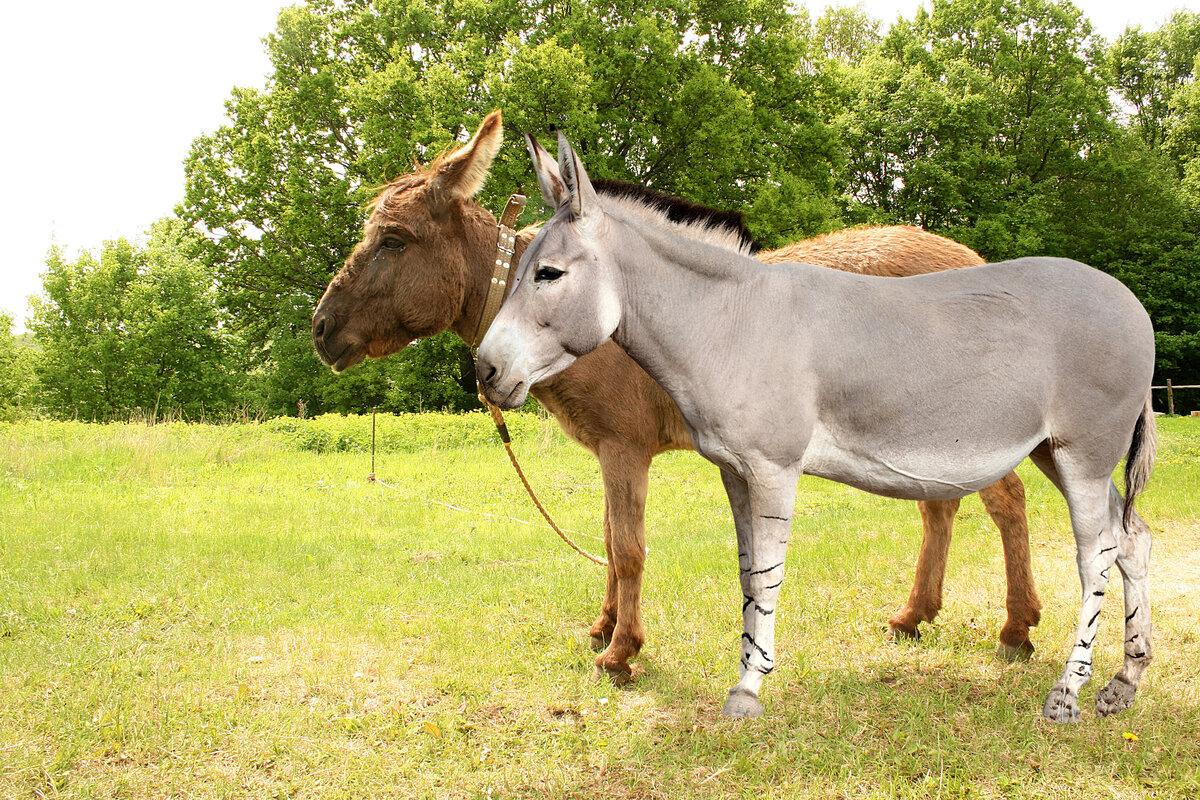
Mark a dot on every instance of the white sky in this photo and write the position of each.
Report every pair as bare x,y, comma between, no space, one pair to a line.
103,100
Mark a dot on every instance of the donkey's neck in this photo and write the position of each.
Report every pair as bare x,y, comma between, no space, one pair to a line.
681,294
478,243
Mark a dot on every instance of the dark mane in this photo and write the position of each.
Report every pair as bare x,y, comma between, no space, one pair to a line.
679,210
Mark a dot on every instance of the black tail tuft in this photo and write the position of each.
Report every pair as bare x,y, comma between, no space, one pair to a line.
1143,446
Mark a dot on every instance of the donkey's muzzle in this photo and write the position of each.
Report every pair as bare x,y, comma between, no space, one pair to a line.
498,386
323,325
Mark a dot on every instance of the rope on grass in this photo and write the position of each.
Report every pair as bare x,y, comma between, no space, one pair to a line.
371,478
498,419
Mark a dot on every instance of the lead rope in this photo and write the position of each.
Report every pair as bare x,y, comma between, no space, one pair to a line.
502,429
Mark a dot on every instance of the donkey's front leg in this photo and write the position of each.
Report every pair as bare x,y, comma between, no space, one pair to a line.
626,474
763,516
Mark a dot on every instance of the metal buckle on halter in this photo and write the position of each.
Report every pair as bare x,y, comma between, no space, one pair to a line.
508,235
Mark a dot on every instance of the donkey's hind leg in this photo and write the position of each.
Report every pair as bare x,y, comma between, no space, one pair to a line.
925,599
1133,559
1005,504
626,481
1096,527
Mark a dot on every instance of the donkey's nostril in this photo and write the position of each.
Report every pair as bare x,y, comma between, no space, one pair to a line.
485,372
319,327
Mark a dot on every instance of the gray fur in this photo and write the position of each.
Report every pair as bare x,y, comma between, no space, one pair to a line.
923,388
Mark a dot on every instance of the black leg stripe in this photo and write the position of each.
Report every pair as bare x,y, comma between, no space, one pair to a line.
754,644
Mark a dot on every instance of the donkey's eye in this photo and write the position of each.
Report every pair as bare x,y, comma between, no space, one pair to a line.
393,243
547,274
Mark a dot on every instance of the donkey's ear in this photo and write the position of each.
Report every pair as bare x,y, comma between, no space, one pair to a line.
554,191
461,174
583,197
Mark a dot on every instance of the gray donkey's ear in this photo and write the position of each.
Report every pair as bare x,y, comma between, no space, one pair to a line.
554,191
583,197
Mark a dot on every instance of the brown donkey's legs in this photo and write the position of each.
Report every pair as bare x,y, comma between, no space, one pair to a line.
1005,502
602,629
925,599
626,476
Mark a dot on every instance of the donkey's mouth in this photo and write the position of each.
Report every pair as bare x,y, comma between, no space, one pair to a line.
349,357
513,398
350,353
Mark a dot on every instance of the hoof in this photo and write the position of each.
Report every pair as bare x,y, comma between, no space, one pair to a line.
1014,653
1061,706
1114,698
618,673
599,642
902,632
617,678
742,705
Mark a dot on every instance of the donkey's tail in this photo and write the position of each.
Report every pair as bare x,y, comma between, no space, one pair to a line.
1140,459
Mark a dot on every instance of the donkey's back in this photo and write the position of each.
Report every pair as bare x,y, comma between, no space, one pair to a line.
952,378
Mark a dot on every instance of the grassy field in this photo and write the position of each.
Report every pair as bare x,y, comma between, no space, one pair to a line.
197,611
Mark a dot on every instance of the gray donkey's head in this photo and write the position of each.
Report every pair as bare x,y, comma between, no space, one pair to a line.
564,301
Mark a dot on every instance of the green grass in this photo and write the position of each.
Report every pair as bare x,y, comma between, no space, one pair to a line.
197,611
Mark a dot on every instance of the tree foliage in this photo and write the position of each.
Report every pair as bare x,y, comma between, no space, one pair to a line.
1005,124
16,373
135,329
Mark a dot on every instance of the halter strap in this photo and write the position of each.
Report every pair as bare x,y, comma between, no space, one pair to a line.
506,245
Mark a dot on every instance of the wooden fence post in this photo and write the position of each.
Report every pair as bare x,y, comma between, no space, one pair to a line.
1170,398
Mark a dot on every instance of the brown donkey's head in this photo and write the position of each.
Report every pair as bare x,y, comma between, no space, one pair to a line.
409,276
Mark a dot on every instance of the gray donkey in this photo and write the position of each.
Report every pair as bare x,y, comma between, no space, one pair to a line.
923,388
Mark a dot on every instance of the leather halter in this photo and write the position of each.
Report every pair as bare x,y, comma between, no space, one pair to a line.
506,245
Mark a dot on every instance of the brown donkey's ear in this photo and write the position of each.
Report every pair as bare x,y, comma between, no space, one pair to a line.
461,174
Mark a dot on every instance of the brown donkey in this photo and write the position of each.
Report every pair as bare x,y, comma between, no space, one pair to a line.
424,265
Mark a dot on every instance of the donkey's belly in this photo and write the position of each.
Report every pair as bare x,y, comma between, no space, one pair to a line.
916,473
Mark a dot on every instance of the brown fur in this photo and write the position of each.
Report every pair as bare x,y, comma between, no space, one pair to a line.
381,301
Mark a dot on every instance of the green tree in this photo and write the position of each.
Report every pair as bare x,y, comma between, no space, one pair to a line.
1148,68
17,380
706,99
136,328
1182,144
971,118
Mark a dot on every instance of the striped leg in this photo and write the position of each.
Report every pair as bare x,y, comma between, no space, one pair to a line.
1133,559
739,504
1096,524
763,515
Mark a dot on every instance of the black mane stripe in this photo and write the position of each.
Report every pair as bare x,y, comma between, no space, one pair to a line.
679,210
